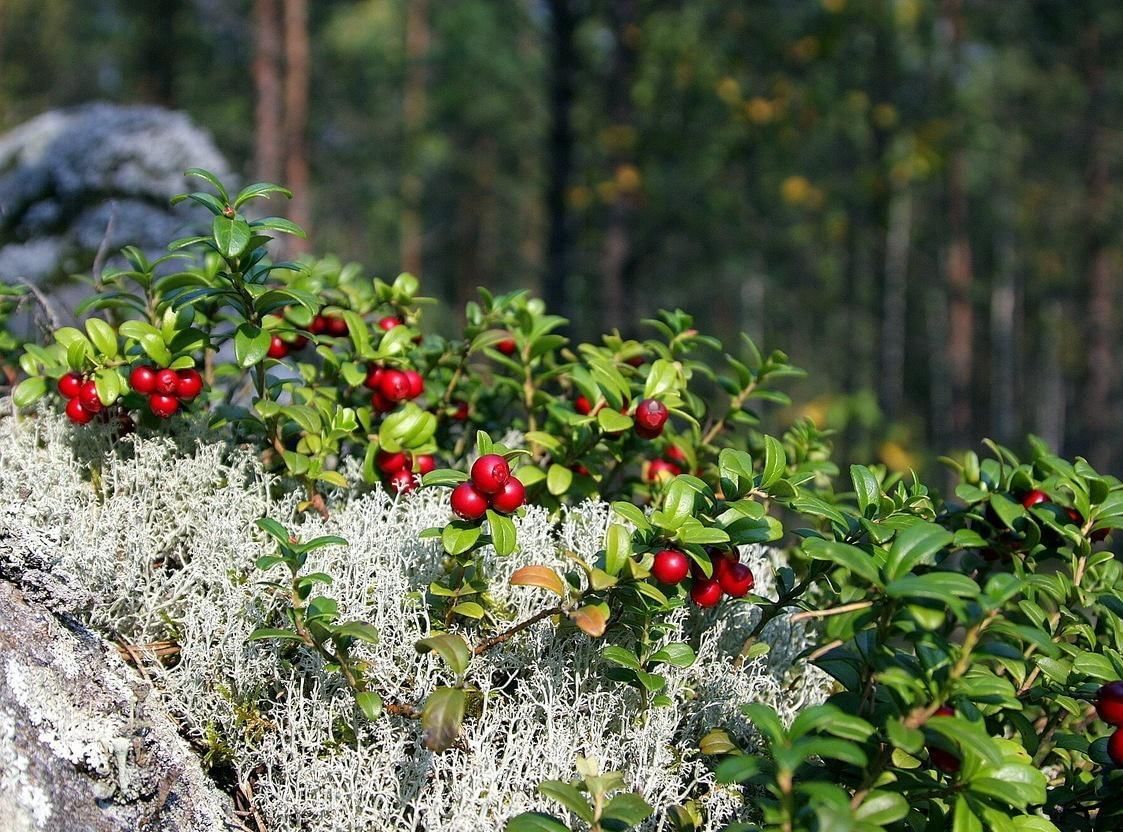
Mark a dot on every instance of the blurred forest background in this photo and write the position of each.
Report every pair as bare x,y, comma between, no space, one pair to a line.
917,199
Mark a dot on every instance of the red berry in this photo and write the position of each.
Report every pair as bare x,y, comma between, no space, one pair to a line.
425,464
189,385
651,415
299,342
402,481
675,454
1109,703
416,383
736,579
336,326
1035,497
389,322
1074,516
143,379
705,592
319,325
510,497
390,461
163,406
945,761
76,413
580,469
507,346
659,469
1115,748
277,348
468,503
490,472
167,382
582,405
380,403
461,412
374,375
394,385
70,385
635,360
670,566
89,398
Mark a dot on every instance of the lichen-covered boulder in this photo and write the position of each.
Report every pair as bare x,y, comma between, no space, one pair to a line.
84,742
66,173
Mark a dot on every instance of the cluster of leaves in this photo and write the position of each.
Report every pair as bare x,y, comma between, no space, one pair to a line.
966,636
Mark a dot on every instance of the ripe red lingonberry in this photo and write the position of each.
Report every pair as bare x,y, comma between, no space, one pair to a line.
389,322
277,348
189,385
507,346
374,375
298,342
635,361
402,481
705,592
394,385
1115,748
143,378
675,454
167,382
70,385
1035,497
89,398
490,472
670,566
658,469
390,461
467,502
425,464
380,403
582,405
162,405
416,383
76,413
319,325
945,761
336,326
1109,703
510,497
461,412
651,415
736,579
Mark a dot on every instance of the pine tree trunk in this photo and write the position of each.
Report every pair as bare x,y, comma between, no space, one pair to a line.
269,105
297,70
1004,415
559,155
893,325
414,103
617,250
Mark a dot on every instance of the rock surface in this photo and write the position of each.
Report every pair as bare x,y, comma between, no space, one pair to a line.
66,173
84,743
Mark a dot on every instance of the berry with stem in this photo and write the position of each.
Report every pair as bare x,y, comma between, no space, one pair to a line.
490,473
467,502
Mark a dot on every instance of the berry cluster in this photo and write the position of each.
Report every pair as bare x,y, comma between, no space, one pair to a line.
672,463
389,386
491,486
165,388
729,576
397,469
83,402
1038,497
331,325
1109,705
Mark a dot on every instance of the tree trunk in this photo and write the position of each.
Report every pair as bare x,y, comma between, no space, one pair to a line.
559,155
1099,399
412,186
156,50
617,250
1004,420
959,268
269,106
297,69
893,324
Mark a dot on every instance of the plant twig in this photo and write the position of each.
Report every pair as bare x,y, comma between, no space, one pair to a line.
507,635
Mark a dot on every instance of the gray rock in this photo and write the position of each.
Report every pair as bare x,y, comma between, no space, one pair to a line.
66,172
84,743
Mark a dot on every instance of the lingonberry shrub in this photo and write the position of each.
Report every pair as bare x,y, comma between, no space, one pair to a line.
972,638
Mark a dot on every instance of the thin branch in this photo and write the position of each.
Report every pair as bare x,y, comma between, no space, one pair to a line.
507,635
845,608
